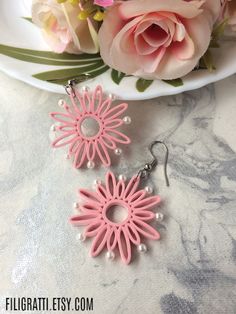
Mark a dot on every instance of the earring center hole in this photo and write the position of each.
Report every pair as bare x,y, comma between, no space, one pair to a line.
117,213
89,127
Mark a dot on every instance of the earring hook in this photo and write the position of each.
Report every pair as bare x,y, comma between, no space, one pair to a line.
155,160
143,173
73,82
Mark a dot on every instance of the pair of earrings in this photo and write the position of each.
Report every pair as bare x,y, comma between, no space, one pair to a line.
89,126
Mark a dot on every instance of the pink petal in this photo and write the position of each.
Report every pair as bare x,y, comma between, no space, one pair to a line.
124,245
102,192
90,207
83,219
112,239
91,197
80,155
115,111
93,228
104,3
187,9
110,183
120,188
137,196
144,215
87,102
96,98
90,150
117,136
183,50
104,107
113,124
74,146
63,118
131,187
151,61
147,203
77,109
82,107
102,153
108,141
67,128
133,234
99,241
65,139
146,230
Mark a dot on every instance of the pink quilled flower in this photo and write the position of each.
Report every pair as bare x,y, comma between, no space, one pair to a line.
89,127
120,235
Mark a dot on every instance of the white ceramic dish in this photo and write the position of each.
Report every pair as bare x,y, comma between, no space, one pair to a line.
18,32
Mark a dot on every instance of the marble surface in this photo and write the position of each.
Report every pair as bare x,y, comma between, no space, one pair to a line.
191,270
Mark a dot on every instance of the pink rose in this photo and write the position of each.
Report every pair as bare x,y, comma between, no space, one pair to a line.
157,39
62,29
230,13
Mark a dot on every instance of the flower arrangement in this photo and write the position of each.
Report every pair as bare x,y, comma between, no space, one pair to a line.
150,39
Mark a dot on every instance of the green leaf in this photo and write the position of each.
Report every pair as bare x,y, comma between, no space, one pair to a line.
46,61
176,83
62,76
29,19
219,29
207,61
49,54
142,84
117,76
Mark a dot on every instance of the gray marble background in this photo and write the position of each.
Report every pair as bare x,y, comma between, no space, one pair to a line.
191,270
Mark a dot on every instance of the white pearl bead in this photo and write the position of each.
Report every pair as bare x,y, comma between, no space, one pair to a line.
142,248
159,216
110,255
148,189
76,205
67,156
118,151
80,237
90,164
127,120
61,102
112,96
53,128
122,177
85,88
97,182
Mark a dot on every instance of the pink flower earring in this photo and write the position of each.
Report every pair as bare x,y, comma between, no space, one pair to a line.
89,126
98,206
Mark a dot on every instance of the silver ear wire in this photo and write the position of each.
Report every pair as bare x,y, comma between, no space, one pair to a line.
165,161
148,168
73,82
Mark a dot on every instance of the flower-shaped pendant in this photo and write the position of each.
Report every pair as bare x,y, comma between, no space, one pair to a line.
117,236
89,127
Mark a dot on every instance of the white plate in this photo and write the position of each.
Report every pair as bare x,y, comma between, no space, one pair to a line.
17,32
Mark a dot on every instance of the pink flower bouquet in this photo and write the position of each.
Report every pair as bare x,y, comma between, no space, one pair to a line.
150,39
